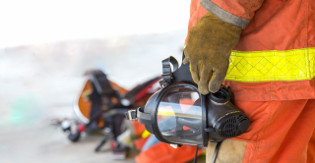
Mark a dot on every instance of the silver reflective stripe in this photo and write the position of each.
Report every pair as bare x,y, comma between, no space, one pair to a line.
224,15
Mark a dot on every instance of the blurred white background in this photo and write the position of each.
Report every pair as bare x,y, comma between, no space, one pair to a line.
40,21
45,47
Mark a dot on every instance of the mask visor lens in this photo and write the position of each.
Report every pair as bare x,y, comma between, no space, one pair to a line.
180,116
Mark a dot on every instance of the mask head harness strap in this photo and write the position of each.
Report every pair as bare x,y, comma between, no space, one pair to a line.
137,114
167,73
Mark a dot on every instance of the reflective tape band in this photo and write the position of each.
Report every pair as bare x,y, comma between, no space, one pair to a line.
260,66
224,15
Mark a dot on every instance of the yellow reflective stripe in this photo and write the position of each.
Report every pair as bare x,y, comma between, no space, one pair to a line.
259,66
145,134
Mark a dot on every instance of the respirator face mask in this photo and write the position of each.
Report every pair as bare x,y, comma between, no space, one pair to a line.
179,114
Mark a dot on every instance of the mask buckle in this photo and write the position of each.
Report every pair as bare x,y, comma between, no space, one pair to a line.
131,114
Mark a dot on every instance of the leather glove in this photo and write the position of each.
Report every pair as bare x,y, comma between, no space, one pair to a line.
230,151
208,49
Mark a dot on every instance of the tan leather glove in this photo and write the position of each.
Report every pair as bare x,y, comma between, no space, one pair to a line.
230,151
208,50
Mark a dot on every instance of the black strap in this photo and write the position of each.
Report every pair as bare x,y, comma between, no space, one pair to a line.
216,151
101,144
143,115
135,114
196,154
100,81
167,70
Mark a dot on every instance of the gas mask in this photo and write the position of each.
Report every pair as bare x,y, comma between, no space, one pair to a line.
179,114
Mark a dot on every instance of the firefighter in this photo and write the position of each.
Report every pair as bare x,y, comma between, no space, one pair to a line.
265,51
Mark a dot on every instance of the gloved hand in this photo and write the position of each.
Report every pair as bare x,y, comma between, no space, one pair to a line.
208,49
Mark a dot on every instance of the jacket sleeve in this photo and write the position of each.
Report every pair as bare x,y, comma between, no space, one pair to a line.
235,12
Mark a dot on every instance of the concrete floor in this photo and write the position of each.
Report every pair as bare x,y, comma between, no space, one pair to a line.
39,83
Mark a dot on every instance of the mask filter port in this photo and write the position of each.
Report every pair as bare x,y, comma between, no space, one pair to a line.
233,125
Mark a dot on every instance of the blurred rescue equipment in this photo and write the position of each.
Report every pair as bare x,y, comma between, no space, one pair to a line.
101,107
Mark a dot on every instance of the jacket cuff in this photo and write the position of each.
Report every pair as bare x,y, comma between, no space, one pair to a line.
224,15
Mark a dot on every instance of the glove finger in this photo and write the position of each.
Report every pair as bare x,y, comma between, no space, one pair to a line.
194,72
216,81
205,76
186,60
